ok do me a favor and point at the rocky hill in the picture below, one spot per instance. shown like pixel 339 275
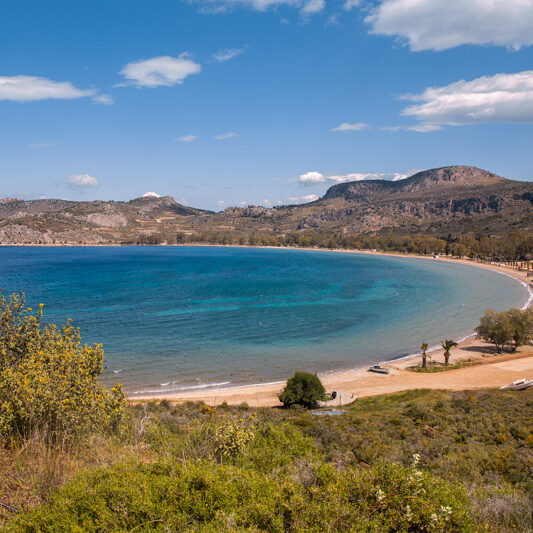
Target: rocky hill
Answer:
pixel 458 198
pixel 459 179
pixel 455 199
pixel 58 221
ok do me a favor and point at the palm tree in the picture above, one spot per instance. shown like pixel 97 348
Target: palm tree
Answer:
pixel 448 344
pixel 424 349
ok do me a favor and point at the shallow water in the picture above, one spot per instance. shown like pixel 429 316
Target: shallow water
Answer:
pixel 188 318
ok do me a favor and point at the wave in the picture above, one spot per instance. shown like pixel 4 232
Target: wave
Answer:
pixel 183 389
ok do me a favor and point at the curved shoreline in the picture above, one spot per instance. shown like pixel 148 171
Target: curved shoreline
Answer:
pixel 265 394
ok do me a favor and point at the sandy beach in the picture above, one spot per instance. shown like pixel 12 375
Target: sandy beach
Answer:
pixel 485 367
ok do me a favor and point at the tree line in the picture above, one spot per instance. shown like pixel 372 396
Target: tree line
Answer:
pixel 515 246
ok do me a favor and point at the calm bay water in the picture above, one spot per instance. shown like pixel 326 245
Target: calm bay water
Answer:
pixel 185 318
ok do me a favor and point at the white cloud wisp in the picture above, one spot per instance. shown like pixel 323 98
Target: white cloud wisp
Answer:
pixel 160 71
pixel 82 181
pixel 227 135
pixel 32 89
pixel 105 99
pixel 315 178
pixel 350 126
pixel 302 199
pixel 226 55
pixel 306 7
pixel 187 138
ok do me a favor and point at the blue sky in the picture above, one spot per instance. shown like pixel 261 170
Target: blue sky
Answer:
pixel 233 102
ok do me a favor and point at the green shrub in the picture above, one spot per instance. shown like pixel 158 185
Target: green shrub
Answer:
pixel 206 497
pixel 231 439
pixel 277 445
pixel 49 380
pixel 303 389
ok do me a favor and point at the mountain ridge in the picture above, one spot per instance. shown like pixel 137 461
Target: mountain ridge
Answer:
pixel 458 176
pixel 457 198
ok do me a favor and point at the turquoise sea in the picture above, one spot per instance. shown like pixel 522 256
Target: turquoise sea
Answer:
pixel 191 318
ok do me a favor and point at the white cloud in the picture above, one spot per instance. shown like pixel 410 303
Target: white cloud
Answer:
pixel 160 71
pixel 31 89
pixel 311 178
pixel 221 202
pixel 306 7
pixel 105 99
pixel 443 24
pixel 424 128
pixel 226 55
pixel 313 6
pixel 187 138
pixel 314 178
pixel 499 98
pixel 302 199
pixel 228 135
pixel 82 180
pixel 151 194
pixel 420 128
pixel 350 4
pixel 310 197
pixel 332 20
pixel 347 126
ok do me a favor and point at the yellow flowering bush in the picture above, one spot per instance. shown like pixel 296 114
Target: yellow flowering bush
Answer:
pixel 231 438
pixel 49 380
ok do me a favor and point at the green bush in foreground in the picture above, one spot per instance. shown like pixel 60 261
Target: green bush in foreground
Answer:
pixel 202 497
pixel 303 389
pixel 49 380
pixel 231 439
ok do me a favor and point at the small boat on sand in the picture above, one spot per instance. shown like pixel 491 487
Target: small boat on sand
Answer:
pixel 379 369
pixel 518 384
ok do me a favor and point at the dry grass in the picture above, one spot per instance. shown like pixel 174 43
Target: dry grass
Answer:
pixel 31 472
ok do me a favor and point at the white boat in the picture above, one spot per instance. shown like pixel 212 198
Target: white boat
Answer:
pixel 518 384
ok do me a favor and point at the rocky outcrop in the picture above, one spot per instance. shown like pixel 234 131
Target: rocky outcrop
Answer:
pixel 429 197
pixel 20 234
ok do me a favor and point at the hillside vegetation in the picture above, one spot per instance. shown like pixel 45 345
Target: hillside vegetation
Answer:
pixel 414 461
